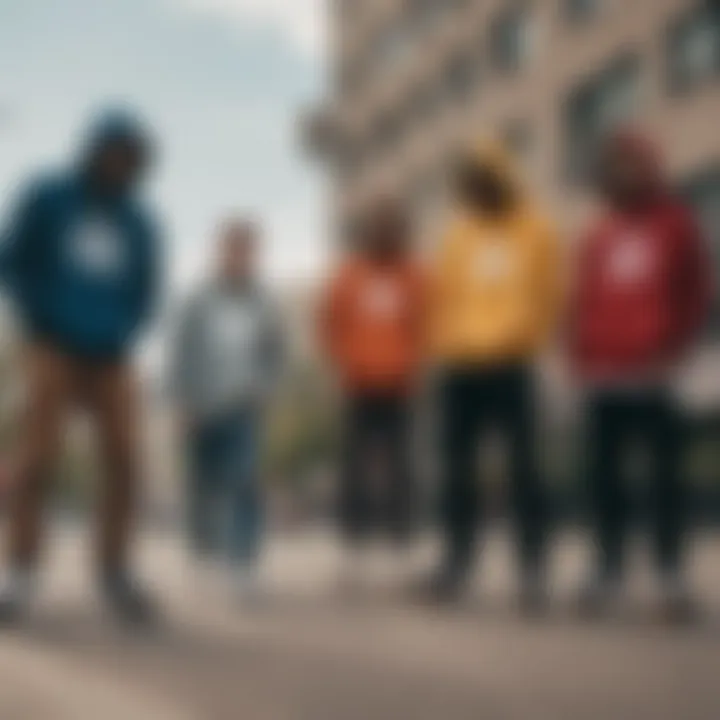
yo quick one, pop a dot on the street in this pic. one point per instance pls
(308, 655)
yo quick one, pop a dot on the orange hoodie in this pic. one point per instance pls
(372, 323)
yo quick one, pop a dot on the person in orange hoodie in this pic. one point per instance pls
(493, 302)
(372, 329)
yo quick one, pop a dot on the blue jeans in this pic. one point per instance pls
(224, 496)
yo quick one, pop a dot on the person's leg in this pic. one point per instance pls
(665, 436)
(113, 402)
(517, 408)
(460, 491)
(356, 491)
(606, 420)
(354, 500)
(400, 471)
(49, 376)
(202, 491)
(241, 478)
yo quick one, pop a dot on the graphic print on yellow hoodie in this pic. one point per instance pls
(495, 287)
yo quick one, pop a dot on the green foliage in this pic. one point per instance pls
(302, 429)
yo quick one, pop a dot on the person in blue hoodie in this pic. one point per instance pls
(80, 262)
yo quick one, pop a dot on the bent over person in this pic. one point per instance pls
(80, 262)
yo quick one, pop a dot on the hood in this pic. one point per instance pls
(633, 144)
(116, 126)
(495, 156)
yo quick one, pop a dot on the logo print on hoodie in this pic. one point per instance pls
(631, 259)
(494, 261)
(382, 299)
(97, 248)
(232, 328)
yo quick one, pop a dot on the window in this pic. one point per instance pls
(350, 79)
(519, 139)
(595, 107)
(694, 47)
(426, 13)
(582, 10)
(347, 160)
(391, 47)
(462, 76)
(512, 38)
(424, 102)
(350, 229)
(387, 132)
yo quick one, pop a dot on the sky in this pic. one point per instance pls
(221, 82)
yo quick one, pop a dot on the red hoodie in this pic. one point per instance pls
(643, 291)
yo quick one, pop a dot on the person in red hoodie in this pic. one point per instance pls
(372, 329)
(643, 295)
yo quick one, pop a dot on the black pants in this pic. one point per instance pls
(615, 420)
(473, 401)
(376, 490)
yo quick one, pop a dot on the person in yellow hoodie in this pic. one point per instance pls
(493, 302)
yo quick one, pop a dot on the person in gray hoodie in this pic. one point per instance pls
(226, 362)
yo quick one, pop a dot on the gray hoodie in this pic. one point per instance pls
(228, 352)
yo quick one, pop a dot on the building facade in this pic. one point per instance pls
(415, 80)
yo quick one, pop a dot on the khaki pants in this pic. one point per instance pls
(56, 382)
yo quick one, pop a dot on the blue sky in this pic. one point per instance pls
(221, 81)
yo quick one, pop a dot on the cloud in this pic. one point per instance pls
(301, 21)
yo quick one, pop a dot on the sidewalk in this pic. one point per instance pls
(308, 656)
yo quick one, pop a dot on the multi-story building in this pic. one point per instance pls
(413, 80)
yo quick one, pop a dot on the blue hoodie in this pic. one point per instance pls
(82, 267)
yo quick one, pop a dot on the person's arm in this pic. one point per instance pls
(330, 318)
(150, 275)
(18, 247)
(694, 286)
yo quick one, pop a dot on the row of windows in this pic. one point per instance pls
(512, 36)
(598, 103)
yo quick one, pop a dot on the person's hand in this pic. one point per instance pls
(6, 480)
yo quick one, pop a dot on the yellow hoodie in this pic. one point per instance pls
(496, 283)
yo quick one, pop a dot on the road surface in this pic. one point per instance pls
(310, 655)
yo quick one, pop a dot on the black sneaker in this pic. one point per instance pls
(12, 609)
(128, 602)
(448, 585)
(678, 606)
(15, 594)
(600, 596)
(534, 599)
